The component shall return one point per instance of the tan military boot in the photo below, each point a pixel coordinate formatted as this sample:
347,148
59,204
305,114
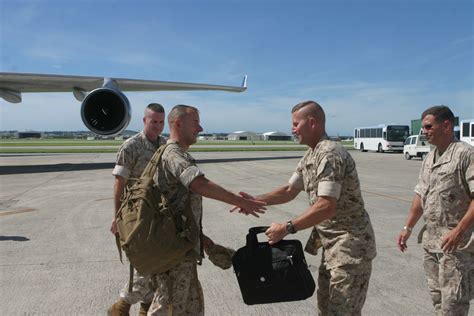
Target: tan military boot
119,308
144,309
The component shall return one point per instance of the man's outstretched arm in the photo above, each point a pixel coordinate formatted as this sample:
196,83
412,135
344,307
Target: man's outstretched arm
205,187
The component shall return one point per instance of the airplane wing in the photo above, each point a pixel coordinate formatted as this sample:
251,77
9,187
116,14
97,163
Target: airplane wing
105,110
23,82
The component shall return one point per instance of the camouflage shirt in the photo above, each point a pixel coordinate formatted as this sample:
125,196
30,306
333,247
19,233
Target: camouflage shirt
446,188
329,170
174,176
134,155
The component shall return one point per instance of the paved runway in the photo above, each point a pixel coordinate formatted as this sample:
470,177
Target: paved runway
58,257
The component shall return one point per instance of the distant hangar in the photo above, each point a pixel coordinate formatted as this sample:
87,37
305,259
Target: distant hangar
248,135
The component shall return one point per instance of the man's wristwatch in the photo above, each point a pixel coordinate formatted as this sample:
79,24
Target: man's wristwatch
290,228
409,229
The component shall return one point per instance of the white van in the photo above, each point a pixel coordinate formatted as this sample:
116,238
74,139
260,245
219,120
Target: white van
467,131
416,146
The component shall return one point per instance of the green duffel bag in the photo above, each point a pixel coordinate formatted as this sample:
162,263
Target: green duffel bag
154,236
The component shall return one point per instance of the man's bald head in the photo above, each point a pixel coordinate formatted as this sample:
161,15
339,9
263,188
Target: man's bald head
179,111
312,109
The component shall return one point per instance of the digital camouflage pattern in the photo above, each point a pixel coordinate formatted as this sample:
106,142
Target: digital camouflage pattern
178,169
446,188
142,290
450,280
179,292
329,170
220,256
132,158
342,290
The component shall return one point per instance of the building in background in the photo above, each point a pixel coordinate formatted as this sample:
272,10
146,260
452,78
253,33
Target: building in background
244,135
276,136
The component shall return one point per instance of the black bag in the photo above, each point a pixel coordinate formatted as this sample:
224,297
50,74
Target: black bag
272,273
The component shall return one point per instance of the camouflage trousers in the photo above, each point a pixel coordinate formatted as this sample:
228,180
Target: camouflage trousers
342,290
142,290
179,292
450,280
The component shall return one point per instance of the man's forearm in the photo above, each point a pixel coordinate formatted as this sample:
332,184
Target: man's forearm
119,186
280,195
209,189
415,213
324,208
468,219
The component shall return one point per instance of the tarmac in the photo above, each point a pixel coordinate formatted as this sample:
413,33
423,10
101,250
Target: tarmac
59,258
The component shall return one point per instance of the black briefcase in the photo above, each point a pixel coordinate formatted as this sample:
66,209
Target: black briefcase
272,273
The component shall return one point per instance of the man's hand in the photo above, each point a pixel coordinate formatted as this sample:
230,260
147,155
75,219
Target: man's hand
242,210
113,227
207,243
276,232
249,205
402,240
252,207
451,240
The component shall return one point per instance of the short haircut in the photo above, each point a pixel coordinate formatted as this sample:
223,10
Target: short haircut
441,113
316,111
155,107
178,111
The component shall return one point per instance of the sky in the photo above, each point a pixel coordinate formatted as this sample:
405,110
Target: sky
366,62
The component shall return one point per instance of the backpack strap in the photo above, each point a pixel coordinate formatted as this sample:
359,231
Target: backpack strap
130,280
117,242
154,161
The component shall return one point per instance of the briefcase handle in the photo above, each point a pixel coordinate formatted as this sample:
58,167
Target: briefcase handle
252,240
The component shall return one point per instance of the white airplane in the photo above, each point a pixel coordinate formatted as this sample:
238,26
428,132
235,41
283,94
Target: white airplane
105,110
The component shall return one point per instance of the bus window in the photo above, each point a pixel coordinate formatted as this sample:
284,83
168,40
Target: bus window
397,133
465,129
379,132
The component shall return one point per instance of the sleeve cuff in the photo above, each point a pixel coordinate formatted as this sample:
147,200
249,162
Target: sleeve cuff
189,174
417,190
471,187
296,181
121,171
332,189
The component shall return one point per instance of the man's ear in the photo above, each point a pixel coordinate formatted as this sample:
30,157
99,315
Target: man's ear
447,125
312,122
177,122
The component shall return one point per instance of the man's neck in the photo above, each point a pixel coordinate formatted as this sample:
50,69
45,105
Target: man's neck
151,139
316,141
177,140
444,145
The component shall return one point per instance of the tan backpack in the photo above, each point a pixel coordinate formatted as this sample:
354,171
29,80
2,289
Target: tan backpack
154,236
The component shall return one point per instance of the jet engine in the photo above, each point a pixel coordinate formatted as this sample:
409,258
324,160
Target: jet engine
106,111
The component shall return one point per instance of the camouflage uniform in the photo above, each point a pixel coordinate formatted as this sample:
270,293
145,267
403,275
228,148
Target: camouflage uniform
179,290
347,239
446,188
132,158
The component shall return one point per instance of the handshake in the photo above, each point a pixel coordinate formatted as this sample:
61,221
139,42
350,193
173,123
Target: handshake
247,204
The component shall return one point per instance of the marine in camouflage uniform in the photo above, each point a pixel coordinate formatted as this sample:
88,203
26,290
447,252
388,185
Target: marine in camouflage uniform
446,187
341,226
179,291
132,158
444,197
347,239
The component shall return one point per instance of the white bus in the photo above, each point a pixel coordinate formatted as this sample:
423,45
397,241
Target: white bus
383,137
466,131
